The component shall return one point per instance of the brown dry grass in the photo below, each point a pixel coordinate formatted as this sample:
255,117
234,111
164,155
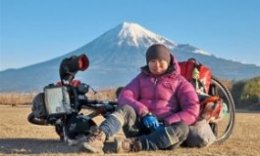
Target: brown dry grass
18,137
16,98
104,94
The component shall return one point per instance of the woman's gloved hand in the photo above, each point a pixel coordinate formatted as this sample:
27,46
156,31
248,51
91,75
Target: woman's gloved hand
151,122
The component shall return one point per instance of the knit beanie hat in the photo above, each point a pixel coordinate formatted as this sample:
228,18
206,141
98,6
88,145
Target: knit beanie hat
158,51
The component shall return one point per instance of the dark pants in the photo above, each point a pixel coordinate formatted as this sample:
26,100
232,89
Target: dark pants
126,118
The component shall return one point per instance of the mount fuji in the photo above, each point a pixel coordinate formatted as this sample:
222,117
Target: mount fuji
115,58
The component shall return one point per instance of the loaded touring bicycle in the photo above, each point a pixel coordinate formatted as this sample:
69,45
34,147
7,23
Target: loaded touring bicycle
60,104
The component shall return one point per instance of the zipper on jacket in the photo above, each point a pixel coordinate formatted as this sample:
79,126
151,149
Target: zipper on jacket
155,91
155,82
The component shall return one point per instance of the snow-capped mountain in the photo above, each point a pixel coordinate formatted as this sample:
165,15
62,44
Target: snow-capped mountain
115,58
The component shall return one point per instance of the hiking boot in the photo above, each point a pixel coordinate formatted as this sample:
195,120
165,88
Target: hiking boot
77,141
128,145
95,141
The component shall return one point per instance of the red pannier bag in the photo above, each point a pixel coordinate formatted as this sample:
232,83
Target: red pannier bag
191,67
199,75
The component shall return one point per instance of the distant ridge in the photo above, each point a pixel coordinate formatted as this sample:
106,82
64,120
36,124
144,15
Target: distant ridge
115,58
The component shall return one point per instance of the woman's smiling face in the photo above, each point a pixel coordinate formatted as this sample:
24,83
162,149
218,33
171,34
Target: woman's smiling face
158,66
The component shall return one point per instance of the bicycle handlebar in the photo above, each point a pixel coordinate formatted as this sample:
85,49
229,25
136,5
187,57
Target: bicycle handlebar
102,102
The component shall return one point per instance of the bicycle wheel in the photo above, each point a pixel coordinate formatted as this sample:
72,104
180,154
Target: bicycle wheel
37,121
223,128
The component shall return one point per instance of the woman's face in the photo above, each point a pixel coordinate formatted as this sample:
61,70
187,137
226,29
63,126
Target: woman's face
157,66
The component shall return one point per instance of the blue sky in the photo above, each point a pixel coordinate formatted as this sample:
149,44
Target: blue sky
33,31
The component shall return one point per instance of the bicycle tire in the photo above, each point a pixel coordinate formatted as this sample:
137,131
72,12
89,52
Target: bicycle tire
37,121
231,109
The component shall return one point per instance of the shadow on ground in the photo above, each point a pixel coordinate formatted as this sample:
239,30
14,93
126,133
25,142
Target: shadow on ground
35,146
40,146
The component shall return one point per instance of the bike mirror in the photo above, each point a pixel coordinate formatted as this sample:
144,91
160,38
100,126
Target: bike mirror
70,66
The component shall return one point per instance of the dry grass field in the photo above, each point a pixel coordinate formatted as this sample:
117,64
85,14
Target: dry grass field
18,137
16,98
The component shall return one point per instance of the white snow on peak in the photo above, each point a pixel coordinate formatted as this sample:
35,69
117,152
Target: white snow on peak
136,35
200,51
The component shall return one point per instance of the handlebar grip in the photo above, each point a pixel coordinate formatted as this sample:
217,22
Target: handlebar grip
101,102
112,103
